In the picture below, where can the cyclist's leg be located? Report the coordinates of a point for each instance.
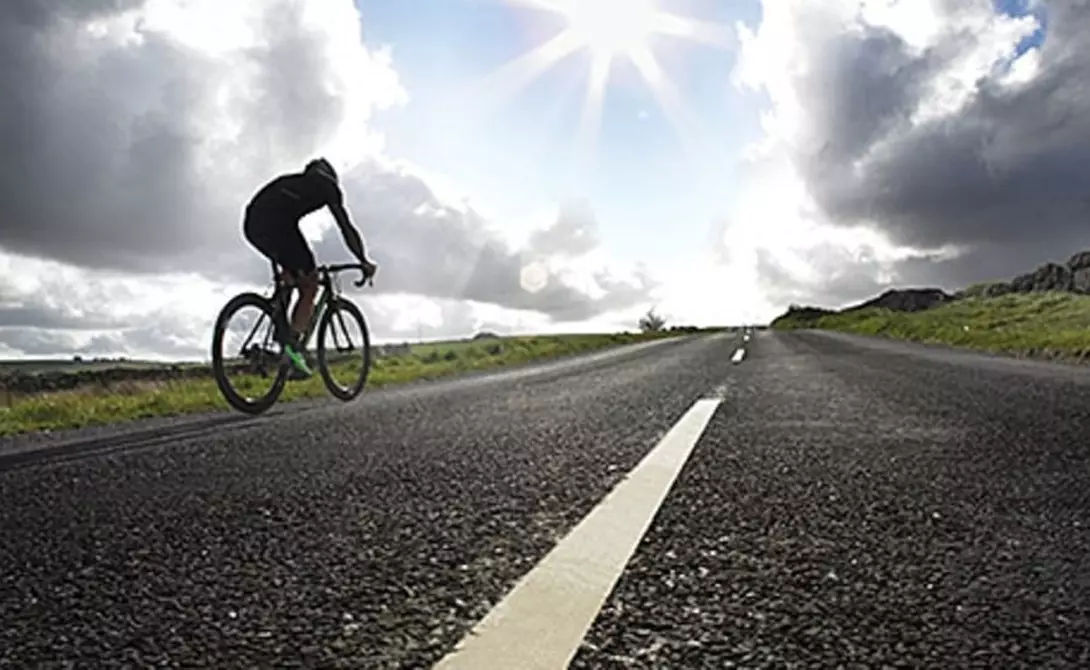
(281, 241)
(261, 229)
(299, 261)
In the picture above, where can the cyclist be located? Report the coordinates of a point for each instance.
(271, 225)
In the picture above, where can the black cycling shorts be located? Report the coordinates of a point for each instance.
(279, 239)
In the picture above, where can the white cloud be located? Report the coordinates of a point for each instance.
(51, 309)
(156, 119)
(907, 141)
(156, 130)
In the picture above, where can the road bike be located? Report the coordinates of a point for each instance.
(254, 361)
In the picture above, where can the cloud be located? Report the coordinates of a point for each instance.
(44, 316)
(837, 276)
(49, 308)
(941, 126)
(574, 233)
(136, 135)
(61, 311)
(136, 140)
(429, 247)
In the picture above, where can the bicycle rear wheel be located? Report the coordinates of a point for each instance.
(240, 373)
(350, 355)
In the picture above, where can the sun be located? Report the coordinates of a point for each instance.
(608, 30)
(612, 27)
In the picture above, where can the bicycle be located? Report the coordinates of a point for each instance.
(253, 361)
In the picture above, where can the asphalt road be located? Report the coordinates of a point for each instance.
(851, 503)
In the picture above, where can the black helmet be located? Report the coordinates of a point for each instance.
(322, 168)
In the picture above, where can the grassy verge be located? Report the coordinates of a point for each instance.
(1052, 325)
(133, 400)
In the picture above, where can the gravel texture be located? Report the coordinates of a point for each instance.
(858, 503)
(368, 535)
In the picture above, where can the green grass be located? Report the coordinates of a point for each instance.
(134, 400)
(980, 289)
(1048, 324)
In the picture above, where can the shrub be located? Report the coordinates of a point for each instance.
(651, 322)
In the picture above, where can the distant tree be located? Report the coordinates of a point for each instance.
(651, 322)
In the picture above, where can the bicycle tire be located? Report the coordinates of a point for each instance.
(233, 397)
(350, 393)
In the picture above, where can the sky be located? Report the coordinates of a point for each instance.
(531, 165)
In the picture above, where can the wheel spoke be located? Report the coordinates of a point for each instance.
(354, 367)
(245, 382)
(254, 330)
(347, 335)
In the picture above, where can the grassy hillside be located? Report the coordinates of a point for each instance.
(128, 399)
(1046, 324)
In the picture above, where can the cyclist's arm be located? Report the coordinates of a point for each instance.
(334, 198)
(351, 236)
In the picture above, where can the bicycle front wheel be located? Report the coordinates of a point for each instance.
(247, 359)
(344, 349)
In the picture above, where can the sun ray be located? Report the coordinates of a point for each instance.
(669, 99)
(516, 74)
(704, 32)
(590, 120)
(609, 30)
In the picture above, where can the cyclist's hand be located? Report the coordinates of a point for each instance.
(369, 269)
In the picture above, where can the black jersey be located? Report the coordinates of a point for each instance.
(293, 196)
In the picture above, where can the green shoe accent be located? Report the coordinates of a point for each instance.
(298, 361)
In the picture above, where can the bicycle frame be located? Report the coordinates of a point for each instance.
(256, 356)
(327, 293)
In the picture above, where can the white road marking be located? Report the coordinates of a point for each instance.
(739, 354)
(541, 622)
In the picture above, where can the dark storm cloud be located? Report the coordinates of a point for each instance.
(1001, 178)
(108, 159)
(1006, 169)
(42, 13)
(112, 161)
